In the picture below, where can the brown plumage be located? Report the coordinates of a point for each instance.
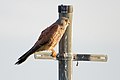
(48, 39)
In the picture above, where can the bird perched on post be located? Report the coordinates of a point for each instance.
(48, 39)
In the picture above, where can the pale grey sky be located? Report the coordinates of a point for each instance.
(96, 29)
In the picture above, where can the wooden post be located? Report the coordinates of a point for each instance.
(65, 45)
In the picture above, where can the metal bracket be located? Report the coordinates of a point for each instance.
(64, 56)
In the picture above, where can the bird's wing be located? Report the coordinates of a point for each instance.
(46, 35)
(44, 38)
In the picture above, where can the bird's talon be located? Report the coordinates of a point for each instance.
(53, 55)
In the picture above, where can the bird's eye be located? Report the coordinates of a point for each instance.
(66, 20)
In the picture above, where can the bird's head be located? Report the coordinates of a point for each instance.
(64, 21)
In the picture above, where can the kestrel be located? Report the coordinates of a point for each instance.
(48, 39)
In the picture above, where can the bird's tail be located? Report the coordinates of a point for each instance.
(25, 56)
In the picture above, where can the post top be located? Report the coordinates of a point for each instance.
(65, 8)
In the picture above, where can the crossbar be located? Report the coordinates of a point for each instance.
(75, 56)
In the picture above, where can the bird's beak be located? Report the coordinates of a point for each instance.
(68, 22)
